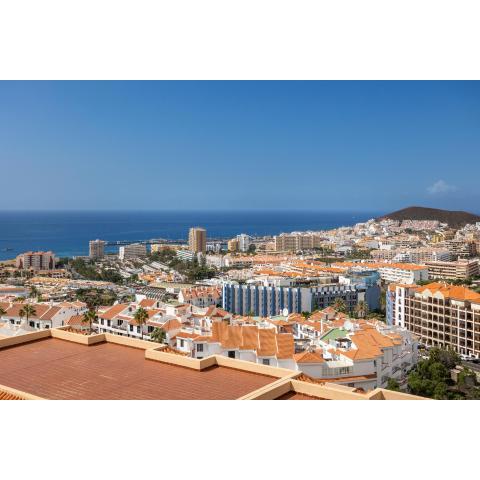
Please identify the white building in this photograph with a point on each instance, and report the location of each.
(243, 242)
(134, 250)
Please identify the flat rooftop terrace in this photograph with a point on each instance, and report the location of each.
(58, 369)
(59, 364)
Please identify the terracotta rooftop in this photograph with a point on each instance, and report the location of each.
(57, 369)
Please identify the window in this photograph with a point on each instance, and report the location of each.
(266, 361)
(344, 370)
(200, 347)
(231, 354)
(32, 324)
(131, 328)
(182, 343)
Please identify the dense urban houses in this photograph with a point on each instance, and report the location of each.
(327, 346)
(439, 314)
(35, 261)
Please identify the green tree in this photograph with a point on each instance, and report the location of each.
(392, 384)
(361, 309)
(89, 317)
(2, 312)
(141, 317)
(158, 335)
(339, 305)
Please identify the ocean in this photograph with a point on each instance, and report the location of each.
(68, 233)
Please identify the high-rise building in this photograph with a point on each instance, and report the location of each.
(243, 242)
(96, 248)
(197, 240)
(132, 251)
(36, 261)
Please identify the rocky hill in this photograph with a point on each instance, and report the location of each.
(455, 219)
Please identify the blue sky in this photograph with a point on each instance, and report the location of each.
(373, 146)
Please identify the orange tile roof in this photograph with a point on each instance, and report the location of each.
(452, 291)
(267, 347)
(285, 345)
(309, 357)
(148, 302)
(112, 312)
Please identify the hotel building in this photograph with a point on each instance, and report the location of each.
(439, 314)
(133, 250)
(36, 261)
(460, 270)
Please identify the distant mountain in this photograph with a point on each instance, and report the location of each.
(454, 219)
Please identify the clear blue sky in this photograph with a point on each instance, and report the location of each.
(239, 145)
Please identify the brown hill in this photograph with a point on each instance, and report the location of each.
(455, 219)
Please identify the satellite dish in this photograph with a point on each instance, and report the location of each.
(285, 312)
(348, 325)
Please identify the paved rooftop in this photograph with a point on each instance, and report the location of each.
(59, 369)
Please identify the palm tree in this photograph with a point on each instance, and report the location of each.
(158, 335)
(361, 309)
(2, 312)
(306, 315)
(141, 316)
(34, 292)
(27, 311)
(339, 305)
(88, 317)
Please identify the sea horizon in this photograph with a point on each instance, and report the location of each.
(67, 232)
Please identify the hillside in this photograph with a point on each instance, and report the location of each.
(454, 219)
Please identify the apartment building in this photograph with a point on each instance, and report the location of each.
(461, 248)
(36, 261)
(462, 269)
(297, 241)
(267, 299)
(390, 272)
(414, 255)
(439, 314)
(197, 240)
(134, 250)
